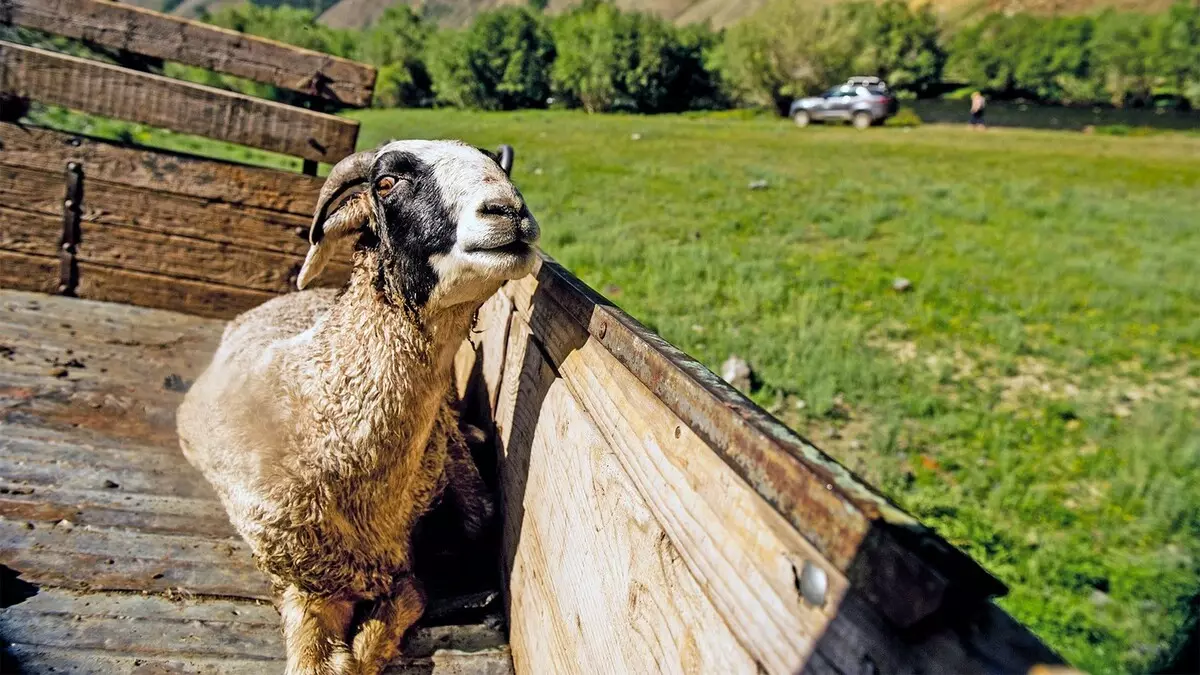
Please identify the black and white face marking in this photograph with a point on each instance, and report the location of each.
(450, 224)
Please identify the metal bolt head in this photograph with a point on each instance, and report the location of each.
(814, 584)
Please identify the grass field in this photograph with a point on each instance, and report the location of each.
(1034, 396)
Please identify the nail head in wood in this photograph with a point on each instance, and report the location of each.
(814, 584)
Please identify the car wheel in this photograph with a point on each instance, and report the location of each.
(802, 118)
(862, 120)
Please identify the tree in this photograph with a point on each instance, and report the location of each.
(396, 44)
(1124, 56)
(501, 62)
(898, 44)
(786, 49)
(614, 60)
(1177, 46)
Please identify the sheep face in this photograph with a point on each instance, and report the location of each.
(447, 223)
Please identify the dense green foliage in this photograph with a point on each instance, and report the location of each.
(1119, 57)
(501, 62)
(613, 60)
(601, 58)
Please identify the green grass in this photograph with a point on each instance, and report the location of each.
(1034, 397)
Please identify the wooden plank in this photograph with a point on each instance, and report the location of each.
(204, 179)
(108, 203)
(906, 570)
(595, 585)
(61, 631)
(742, 552)
(169, 255)
(150, 33)
(97, 282)
(111, 91)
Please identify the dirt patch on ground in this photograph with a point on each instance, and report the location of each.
(1019, 381)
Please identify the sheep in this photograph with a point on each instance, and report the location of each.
(325, 420)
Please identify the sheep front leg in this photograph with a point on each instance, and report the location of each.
(378, 638)
(466, 486)
(314, 631)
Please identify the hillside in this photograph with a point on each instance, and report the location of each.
(358, 13)
(720, 13)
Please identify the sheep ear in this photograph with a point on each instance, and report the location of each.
(507, 155)
(351, 217)
(503, 157)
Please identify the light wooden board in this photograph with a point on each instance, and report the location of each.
(572, 408)
(204, 179)
(907, 571)
(111, 91)
(742, 552)
(149, 33)
(595, 584)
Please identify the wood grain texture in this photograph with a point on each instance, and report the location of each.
(741, 551)
(150, 33)
(209, 180)
(732, 540)
(111, 91)
(906, 570)
(146, 249)
(595, 584)
(38, 191)
(98, 282)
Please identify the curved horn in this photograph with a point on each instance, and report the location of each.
(351, 171)
(506, 158)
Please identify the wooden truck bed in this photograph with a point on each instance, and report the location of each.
(652, 519)
(125, 558)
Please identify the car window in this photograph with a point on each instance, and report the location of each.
(862, 91)
(832, 92)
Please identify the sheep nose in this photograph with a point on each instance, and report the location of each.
(508, 209)
(515, 214)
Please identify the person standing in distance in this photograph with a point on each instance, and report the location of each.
(978, 103)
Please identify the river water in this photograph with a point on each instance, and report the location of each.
(1034, 116)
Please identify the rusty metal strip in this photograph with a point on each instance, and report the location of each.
(68, 275)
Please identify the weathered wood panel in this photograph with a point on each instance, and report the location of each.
(581, 402)
(111, 91)
(595, 584)
(97, 282)
(149, 33)
(907, 571)
(112, 633)
(114, 204)
(743, 553)
(154, 252)
(203, 179)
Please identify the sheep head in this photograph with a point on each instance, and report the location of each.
(445, 220)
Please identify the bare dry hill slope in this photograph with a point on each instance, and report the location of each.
(720, 13)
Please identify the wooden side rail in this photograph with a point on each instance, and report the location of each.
(111, 91)
(149, 33)
(148, 228)
(657, 520)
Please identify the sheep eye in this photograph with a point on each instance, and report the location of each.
(384, 185)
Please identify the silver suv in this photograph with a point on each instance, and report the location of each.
(863, 101)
